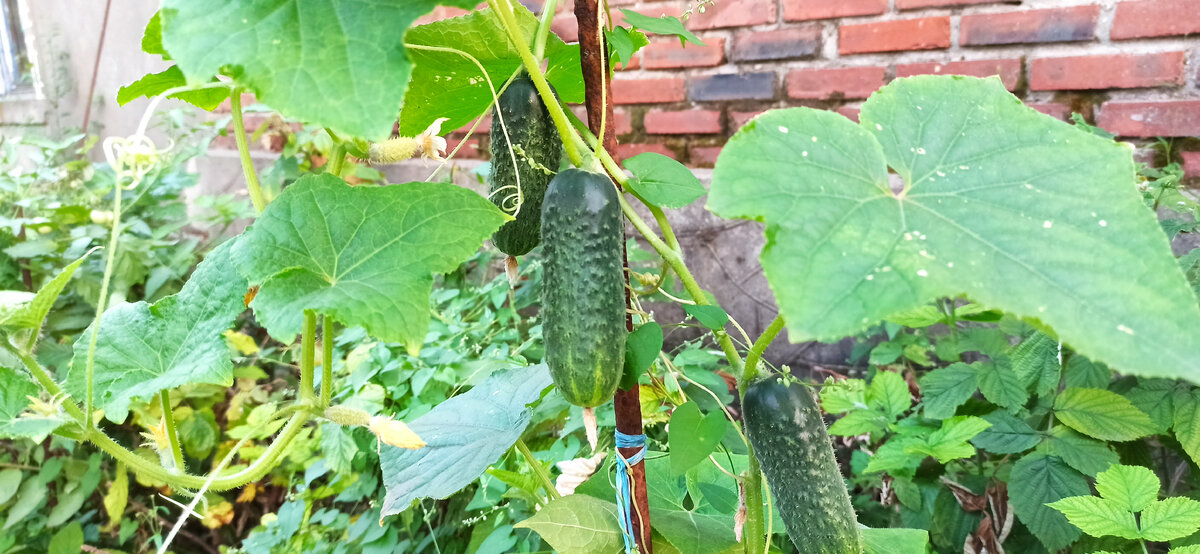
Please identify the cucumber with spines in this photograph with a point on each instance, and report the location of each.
(537, 148)
(789, 437)
(583, 287)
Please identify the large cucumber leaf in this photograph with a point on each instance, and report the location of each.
(337, 63)
(447, 84)
(363, 255)
(143, 349)
(1015, 209)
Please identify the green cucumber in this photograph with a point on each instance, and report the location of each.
(583, 289)
(785, 428)
(536, 148)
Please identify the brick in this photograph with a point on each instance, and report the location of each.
(469, 151)
(1172, 118)
(669, 54)
(801, 42)
(843, 82)
(648, 91)
(802, 10)
(1053, 25)
(732, 86)
(740, 118)
(851, 112)
(1053, 109)
(926, 33)
(1191, 164)
(629, 150)
(1155, 18)
(1009, 69)
(918, 4)
(686, 122)
(1112, 71)
(703, 156)
(734, 13)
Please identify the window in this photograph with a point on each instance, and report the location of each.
(15, 69)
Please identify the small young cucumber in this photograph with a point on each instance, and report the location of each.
(536, 148)
(793, 448)
(583, 289)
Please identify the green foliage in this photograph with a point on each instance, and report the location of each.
(663, 181)
(664, 25)
(988, 184)
(693, 436)
(1125, 491)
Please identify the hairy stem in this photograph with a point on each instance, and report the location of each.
(327, 335)
(756, 351)
(543, 29)
(538, 469)
(308, 355)
(239, 136)
(755, 532)
(109, 263)
(169, 427)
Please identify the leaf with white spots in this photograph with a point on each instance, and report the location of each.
(1016, 210)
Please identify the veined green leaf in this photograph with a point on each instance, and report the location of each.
(1131, 488)
(337, 63)
(944, 390)
(1102, 414)
(1098, 517)
(1013, 208)
(144, 349)
(362, 255)
(889, 392)
(1036, 480)
(15, 420)
(30, 316)
(1036, 363)
(662, 181)
(842, 396)
(664, 25)
(1170, 518)
(1187, 422)
(693, 435)
(154, 84)
(1001, 386)
(1007, 435)
(1087, 456)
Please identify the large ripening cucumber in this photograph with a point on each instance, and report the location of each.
(537, 148)
(793, 448)
(583, 289)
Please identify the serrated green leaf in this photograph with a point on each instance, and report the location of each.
(1035, 361)
(1007, 435)
(950, 441)
(641, 349)
(446, 84)
(1036, 480)
(889, 392)
(895, 541)
(1131, 488)
(362, 255)
(338, 448)
(1186, 425)
(664, 25)
(30, 316)
(842, 396)
(577, 524)
(1001, 386)
(693, 435)
(1097, 517)
(885, 353)
(1087, 456)
(15, 421)
(1155, 397)
(339, 64)
(1102, 414)
(624, 42)
(144, 349)
(992, 208)
(944, 390)
(152, 37)
(894, 456)
(662, 181)
(154, 84)
(1081, 372)
(712, 317)
(1170, 519)
(463, 435)
(858, 422)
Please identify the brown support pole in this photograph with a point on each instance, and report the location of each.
(627, 404)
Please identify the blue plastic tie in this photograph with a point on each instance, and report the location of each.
(624, 516)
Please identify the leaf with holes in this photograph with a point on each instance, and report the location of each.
(1015, 209)
(143, 349)
(362, 255)
(336, 63)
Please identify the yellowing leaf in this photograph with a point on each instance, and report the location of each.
(242, 342)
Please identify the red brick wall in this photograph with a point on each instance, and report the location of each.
(1132, 66)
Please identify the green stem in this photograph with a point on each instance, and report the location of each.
(755, 532)
(504, 12)
(756, 351)
(339, 160)
(539, 470)
(543, 29)
(239, 136)
(327, 335)
(169, 424)
(308, 356)
(109, 263)
(143, 466)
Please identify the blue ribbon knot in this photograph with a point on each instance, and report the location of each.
(624, 516)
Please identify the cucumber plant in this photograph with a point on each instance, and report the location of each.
(1015, 210)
